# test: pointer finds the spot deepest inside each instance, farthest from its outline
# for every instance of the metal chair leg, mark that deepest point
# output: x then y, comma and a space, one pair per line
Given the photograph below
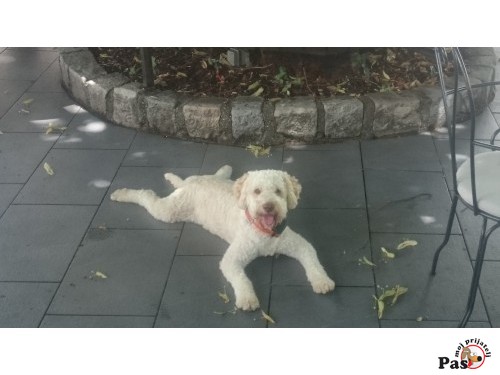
475, 276
451, 218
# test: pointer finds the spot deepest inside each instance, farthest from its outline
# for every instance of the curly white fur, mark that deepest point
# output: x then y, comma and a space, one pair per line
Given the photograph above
219, 205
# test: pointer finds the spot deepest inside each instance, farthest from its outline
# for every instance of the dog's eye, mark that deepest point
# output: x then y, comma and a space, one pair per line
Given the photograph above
278, 191
257, 191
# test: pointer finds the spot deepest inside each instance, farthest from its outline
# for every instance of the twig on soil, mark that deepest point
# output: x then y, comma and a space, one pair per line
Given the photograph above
256, 67
305, 79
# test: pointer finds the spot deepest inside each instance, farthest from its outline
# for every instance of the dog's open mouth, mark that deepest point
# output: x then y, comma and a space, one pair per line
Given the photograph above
268, 221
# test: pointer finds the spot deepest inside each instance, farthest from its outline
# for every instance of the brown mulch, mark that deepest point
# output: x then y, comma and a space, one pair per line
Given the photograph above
276, 72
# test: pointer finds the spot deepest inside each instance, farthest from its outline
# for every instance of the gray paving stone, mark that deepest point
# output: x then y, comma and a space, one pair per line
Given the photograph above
202, 117
191, 297
471, 229
7, 194
25, 64
485, 126
343, 117
489, 291
45, 108
43, 250
86, 131
136, 263
439, 297
85, 321
197, 241
239, 159
10, 92
154, 151
246, 115
80, 177
20, 155
416, 153
300, 307
22, 305
49, 81
330, 179
131, 216
296, 117
407, 202
495, 104
340, 238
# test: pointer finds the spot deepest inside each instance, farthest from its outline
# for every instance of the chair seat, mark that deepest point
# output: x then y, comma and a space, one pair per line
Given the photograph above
487, 182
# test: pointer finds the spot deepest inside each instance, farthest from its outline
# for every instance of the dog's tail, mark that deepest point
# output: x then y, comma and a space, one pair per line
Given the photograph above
224, 172
175, 180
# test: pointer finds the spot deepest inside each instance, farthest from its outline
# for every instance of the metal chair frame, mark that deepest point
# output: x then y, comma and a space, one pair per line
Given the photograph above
454, 56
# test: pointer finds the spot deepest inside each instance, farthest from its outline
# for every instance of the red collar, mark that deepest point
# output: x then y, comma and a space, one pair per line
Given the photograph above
257, 225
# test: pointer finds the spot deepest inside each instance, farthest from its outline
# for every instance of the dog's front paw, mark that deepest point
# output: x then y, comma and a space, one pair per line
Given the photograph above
118, 195
323, 285
247, 302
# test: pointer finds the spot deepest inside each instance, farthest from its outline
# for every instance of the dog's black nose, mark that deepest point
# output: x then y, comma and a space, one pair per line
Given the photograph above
479, 358
268, 207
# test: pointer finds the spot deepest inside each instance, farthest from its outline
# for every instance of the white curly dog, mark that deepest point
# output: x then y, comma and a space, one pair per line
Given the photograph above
249, 213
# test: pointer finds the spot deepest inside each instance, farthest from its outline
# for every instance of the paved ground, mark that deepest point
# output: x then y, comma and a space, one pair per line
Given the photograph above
57, 232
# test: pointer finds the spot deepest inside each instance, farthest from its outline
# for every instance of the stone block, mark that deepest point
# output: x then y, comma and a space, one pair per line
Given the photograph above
99, 88
343, 117
202, 116
77, 68
296, 117
126, 109
434, 116
160, 111
247, 117
395, 113
477, 51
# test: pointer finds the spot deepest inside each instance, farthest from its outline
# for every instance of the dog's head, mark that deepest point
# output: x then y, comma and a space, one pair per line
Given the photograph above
267, 195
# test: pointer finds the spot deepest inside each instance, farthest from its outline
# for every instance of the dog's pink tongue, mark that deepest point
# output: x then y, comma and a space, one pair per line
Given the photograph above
268, 221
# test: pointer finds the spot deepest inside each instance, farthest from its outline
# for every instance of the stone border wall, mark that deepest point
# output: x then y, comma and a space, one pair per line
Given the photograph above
270, 122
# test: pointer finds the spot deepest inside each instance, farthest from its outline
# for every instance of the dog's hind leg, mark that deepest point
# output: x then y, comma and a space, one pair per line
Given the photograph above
224, 172
164, 209
175, 180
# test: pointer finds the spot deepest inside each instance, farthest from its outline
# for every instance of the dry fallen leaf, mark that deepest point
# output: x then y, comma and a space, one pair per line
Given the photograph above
407, 243
51, 128
267, 317
48, 169
419, 319
100, 275
253, 86
259, 150
387, 254
181, 75
94, 275
398, 291
224, 296
259, 91
394, 293
366, 262
28, 101
380, 307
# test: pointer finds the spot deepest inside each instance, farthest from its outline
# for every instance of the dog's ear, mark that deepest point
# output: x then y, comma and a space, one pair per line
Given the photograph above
238, 191
294, 188
465, 353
